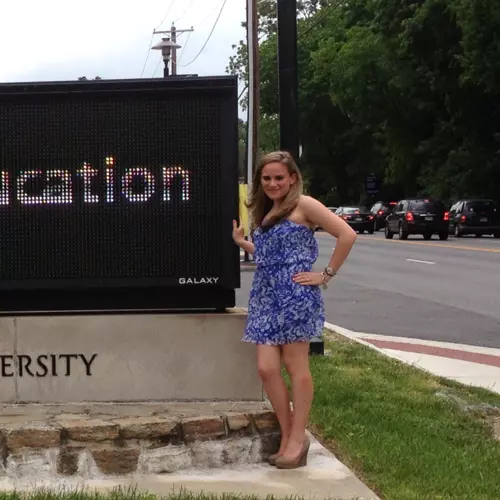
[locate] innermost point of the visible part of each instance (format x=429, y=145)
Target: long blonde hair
x=260, y=205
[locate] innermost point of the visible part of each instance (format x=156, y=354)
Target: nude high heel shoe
x=300, y=461
x=272, y=458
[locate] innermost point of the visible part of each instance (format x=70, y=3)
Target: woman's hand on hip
x=309, y=278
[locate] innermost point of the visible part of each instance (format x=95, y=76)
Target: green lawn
x=407, y=434
x=121, y=494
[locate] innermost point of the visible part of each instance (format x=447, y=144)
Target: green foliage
x=406, y=89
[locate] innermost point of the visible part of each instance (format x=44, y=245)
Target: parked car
x=380, y=210
x=418, y=216
x=474, y=216
x=359, y=218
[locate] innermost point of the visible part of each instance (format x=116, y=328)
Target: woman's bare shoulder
x=300, y=214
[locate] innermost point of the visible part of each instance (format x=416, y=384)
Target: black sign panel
x=122, y=188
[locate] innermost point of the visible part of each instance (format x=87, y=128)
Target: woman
x=285, y=306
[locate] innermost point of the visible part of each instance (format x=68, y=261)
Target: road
x=437, y=290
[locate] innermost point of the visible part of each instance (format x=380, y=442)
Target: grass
x=126, y=494
x=406, y=434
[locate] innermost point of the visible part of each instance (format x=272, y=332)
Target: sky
x=63, y=40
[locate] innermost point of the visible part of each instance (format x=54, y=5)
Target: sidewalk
x=470, y=365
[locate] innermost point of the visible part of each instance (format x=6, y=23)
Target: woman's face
x=276, y=181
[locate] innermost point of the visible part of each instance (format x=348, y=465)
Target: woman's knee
x=268, y=362
x=299, y=374
x=268, y=371
x=297, y=370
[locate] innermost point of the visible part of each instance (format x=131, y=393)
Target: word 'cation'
x=136, y=185
x=55, y=365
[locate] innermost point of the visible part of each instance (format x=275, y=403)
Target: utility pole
x=169, y=47
x=253, y=147
x=174, y=52
x=253, y=89
x=288, y=77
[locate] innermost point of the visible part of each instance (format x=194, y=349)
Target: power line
x=209, y=37
x=157, y=66
x=147, y=56
x=242, y=92
x=185, y=45
x=209, y=15
x=321, y=18
x=187, y=8
x=166, y=15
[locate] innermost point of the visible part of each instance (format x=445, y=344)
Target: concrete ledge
x=169, y=357
x=95, y=440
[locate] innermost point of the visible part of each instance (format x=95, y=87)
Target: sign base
x=127, y=358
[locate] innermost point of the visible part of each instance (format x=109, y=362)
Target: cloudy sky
x=62, y=40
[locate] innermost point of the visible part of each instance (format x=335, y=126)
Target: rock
x=164, y=460
x=238, y=421
x=89, y=429
x=30, y=435
x=67, y=462
x=238, y=451
x=208, y=453
x=147, y=427
x=265, y=421
x=29, y=463
x=114, y=460
x=266, y=445
x=203, y=428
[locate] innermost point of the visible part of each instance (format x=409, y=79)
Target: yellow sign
x=243, y=208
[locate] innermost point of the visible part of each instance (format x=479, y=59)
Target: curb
x=355, y=336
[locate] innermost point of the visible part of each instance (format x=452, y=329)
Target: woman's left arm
x=319, y=215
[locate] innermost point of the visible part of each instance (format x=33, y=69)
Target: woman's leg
x=296, y=358
x=269, y=367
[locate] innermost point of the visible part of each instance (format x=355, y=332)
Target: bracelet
x=324, y=285
x=331, y=272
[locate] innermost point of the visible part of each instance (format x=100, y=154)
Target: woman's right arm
x=239, y=239
x=247, y=246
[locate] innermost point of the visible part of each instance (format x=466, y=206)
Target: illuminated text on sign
x=56, y=186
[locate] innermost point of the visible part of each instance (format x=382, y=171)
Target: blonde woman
x=286, y=306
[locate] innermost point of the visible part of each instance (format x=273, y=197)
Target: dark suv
x=418, y=216
x=380, y=210
x=475, y=216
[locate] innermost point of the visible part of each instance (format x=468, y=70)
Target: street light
x=166, y=46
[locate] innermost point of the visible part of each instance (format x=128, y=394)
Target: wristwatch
x=330, y=272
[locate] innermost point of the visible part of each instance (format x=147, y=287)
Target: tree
x=405, y=89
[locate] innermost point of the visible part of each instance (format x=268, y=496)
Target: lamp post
x=166, y=46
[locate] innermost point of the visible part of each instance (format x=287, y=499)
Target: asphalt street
x=436, y=290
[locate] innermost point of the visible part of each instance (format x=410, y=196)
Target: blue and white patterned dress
x=281, y=311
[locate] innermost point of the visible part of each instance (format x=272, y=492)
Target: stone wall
x=69, y=444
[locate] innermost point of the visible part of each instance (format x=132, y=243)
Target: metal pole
x=174, y=51
x=252, y=149
x=288, y=77
x=251, y=125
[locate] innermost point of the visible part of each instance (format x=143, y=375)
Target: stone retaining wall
x=69, y=444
